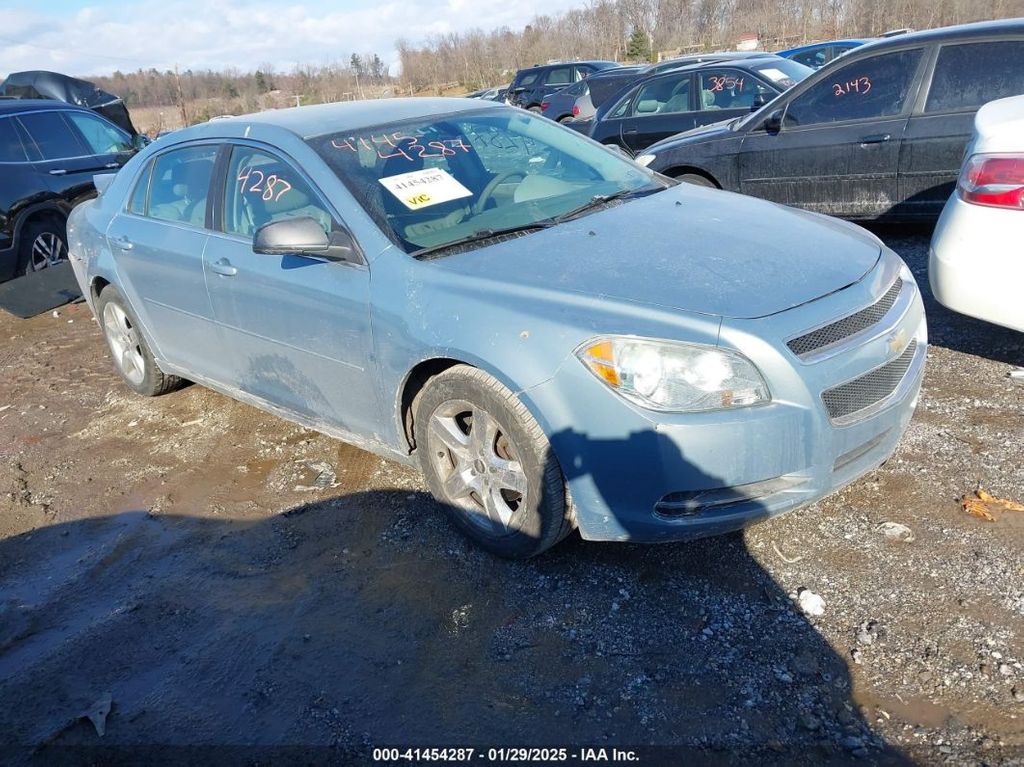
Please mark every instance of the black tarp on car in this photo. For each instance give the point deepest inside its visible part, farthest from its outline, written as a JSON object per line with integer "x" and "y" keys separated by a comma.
{"x": 53, "y": 85}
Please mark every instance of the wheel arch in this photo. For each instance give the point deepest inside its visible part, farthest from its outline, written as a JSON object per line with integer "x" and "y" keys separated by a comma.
{"x": 419, "y": 376}
{"x": 687, "y": 170}
{"x": 38, "y": 212}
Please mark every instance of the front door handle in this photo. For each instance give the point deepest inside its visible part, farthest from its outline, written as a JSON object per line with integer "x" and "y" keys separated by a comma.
{"x": 878, "y": 138}
{"x": 123, "y": 242}
{"x": 630, "y": 131}
{"x": 58, "y": 172}
{"x": 223, "y": 266}
{"x": 111, "y": 165}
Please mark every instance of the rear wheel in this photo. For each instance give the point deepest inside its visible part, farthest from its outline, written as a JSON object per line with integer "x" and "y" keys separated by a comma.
{"x": 535, "y": 109}
{"x": 43, "y": 244}
{"x": 488, "y": 461}
{"x": 128, "y": 348}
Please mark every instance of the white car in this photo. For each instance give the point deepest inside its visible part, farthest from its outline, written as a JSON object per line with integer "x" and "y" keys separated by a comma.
{"x": 976, "y": 262}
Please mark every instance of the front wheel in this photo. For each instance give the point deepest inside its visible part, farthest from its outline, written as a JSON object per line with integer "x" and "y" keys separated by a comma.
{"x": 128, "y": 348}
{"x": 488, "y": 461}
{"x": 535, "y": 109}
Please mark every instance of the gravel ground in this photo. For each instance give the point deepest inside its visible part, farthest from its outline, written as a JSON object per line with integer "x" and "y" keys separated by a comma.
{"x": 228, "y": 578}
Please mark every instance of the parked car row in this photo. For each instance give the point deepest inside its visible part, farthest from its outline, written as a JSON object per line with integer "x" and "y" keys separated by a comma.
{"x": 877, "y": 134}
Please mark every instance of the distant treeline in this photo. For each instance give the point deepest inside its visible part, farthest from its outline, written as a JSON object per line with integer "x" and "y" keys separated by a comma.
{"x": 638, "y": 29}
{"x": 335, "y": 82}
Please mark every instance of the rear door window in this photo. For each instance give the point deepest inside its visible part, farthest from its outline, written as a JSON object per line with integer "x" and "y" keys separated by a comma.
{"x": 137, "y": 203}
{"x": 181, "y": 185}
{"x": 11, "y": 148}
{"x": 664, "y": 96}
{"x": 870, "y": 88}
{"x": 969, "y": 75}
{"x": 52, "y": 136}
{"x": 560, "y": 76}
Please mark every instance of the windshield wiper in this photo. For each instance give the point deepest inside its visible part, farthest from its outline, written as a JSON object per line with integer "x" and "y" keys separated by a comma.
{"x": 483, "y": 234}
{"x": 599, "y": 200}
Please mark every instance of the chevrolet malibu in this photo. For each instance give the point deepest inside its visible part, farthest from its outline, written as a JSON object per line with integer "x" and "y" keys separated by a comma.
{"x": 558, "y": 337}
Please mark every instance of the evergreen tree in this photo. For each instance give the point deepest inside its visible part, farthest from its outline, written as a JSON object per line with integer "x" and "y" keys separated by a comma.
{"x": 639, "y": 46}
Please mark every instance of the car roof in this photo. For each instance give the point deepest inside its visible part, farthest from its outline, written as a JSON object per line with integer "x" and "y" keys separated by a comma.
{"x": 979, "y": 29}
{"x": 321, "y": 119}
{"x": 745, "y": 61}
{"x": 826, "y": 44}
{"x": 536, "y": 67}
{"x": 14, "y": 106}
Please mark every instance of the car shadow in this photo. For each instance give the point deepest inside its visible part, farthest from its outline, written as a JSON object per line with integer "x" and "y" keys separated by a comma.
{"x": 365, "y": 620}
{"x": 946, "y": 328}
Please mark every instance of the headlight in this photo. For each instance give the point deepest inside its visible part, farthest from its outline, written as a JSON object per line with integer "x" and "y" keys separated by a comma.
{"x": 645, "y": 159}
{"x": 674, "y": 376}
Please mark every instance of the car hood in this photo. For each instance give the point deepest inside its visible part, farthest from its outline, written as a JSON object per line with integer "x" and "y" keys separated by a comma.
{"x": 686, "y": 248}
{"x": 703, "y": 133}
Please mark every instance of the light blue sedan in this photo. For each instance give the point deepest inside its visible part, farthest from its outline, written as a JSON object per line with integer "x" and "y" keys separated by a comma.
{"x": 559, "y": 337}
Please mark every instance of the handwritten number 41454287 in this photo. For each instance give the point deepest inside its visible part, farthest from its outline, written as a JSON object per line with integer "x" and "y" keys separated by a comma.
{"x": 861, "y": 85}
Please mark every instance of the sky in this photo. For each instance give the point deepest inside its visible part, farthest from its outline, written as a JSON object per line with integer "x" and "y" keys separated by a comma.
{"x": 95, "y": 37}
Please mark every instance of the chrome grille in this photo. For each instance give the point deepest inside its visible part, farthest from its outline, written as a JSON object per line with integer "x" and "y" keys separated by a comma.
{"x": 871, "y": 388}
{"x": 847, "y": 326}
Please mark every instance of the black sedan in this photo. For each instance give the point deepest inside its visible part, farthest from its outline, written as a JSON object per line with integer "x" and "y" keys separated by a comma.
{"x": 660, "y": 106}
{"x": 877, "y": 133}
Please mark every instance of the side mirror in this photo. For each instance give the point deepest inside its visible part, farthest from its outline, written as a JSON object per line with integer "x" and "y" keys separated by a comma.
{"x": 303, "y": 236}
{"x": 773, "y": 122}
{"x": 140, "y": 141}
{"x": 759, "y": 102}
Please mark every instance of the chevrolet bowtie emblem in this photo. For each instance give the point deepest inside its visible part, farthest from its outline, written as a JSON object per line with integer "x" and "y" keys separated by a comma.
{"x": 897, "y": 341}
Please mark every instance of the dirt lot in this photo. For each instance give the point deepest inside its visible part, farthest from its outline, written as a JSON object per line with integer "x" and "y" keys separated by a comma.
{"x": 196, "y": 559}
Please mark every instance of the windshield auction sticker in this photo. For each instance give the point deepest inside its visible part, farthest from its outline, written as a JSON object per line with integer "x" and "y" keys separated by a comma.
{"x": 423, "y": 188}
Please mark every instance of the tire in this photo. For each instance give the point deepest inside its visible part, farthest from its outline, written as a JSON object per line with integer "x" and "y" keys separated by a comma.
{"x": 43, "y": 243}
{"x": 129, "y": 350}
{"x": 535, "y": 109}
{"x": 564, "y": 119}
{"x": 507, "y": 493}
{"x": 697, "y": 180}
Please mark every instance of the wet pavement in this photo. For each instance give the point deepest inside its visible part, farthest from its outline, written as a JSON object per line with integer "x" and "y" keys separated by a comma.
{"x": 230, "y": 579}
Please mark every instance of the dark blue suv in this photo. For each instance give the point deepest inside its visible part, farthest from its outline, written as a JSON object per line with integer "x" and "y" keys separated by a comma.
{"x": 531, "y": 85}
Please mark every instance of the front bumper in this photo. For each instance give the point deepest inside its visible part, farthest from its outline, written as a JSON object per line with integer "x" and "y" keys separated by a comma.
{"x": 643, "y": 476}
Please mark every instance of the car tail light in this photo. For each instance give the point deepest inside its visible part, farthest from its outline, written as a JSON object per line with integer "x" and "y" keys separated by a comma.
{"x": 544, "y": 106}
{"x": 993, "y": 180}
{"x": 575, "y": 111}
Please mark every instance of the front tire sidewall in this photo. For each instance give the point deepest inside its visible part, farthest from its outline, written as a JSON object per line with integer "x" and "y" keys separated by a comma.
{"x": 538, "y": 523}
{"x": 151, "y": 382}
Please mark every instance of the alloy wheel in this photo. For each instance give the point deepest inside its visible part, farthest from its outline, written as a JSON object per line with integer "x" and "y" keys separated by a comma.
{"x": 125, "y": 343}
{"x": 48, "y": 249}
{"x": 478, "y": 465}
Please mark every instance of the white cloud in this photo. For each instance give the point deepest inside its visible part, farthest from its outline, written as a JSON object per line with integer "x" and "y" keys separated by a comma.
{"x": 100, "y": 37}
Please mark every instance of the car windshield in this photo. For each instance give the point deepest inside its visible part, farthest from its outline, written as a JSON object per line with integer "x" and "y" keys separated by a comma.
{"x": 783, "y": 73}
{"x": 437, "y": 181}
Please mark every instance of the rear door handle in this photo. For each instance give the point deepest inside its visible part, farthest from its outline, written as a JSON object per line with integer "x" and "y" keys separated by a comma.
{"x": 878, "y": 138}
{"x": 223, "y": 266}
{"x": 111, "y": 165}
{"x": 123, "y": 242}
{"x": 58, "y": 172}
